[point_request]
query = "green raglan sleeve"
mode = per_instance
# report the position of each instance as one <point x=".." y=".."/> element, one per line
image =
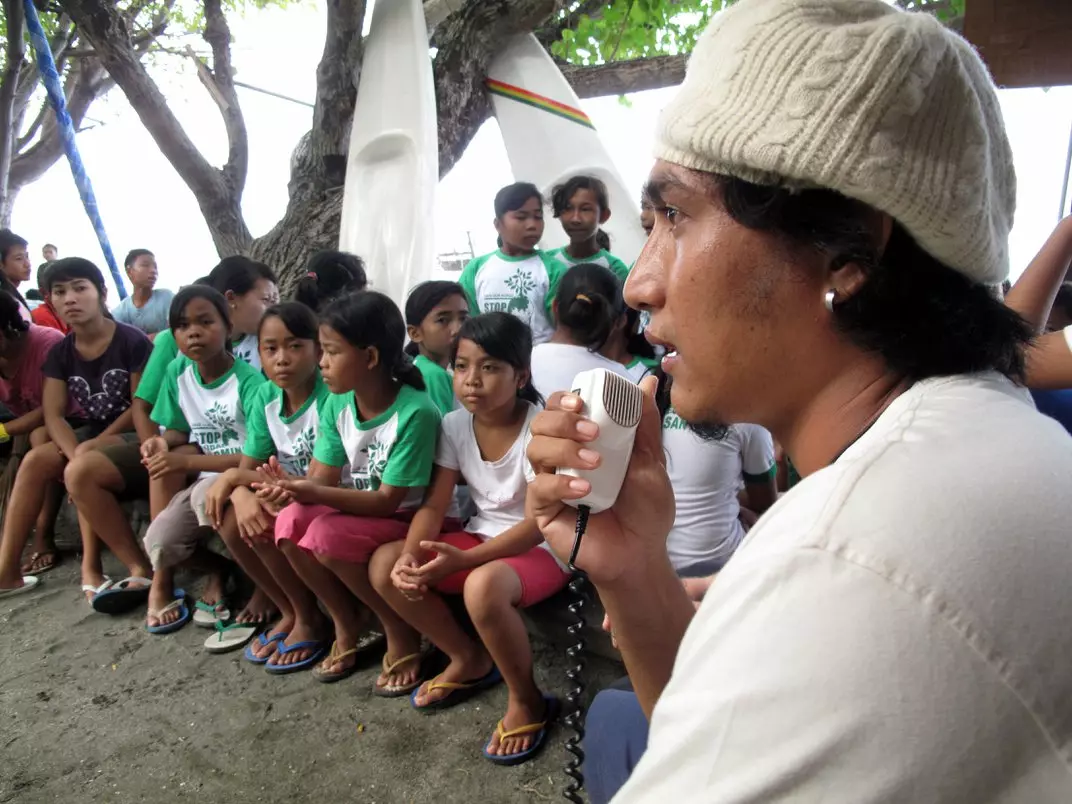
<point x="329" y="449"/>
<point x="167" y="412"/>
<point x="555" y="271"/>
<point x="437" y="383"/>
<point x="164" y="351"/>
<point x="409" y="464"/>
<point x="468" y="282"/>
<point x="249" y="383"/>
<point x="259" y="444"/>
<point x="620" y="268"/>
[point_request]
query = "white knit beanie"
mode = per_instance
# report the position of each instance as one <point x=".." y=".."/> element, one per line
<point x="881" y="105"/>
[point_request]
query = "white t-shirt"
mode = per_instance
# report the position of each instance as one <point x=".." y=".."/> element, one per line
<point x="896" y="628"/>
<point x="214" y="414"/>
<point x="554" y="365"/>
<point x="497" y="488"/>
<point x="246" y="348"/>
<point x="706" y="476"/>
<point x="497" y="282"/>
<point x="638" y="370"/>
<point x="397" y="447"/>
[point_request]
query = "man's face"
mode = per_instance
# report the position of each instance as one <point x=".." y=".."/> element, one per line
<point x="142" y="272"/>
<point x="49" y="253"/>
<point x="736" y="308"/>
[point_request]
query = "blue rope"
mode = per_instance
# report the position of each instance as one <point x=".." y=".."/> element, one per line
<point x="47" y="67"/>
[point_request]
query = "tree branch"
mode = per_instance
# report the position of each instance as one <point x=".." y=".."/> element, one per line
<point x="218" y="36"/>
<point x="468" y="40"/>
<point x="337" y="77"/>
<point x="623" y="77"/>
<point x="86" y="81"/>
<point x="103" y="26"/>
<point x="15" y="58"/>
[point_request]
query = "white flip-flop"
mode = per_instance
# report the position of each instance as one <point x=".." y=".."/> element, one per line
<point x="90" y="589"/>
<point x="232" y="637"/>
<point x="29" y="583"/>
<point x="209" y="615"/>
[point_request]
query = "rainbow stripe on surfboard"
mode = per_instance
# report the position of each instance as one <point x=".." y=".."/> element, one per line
<point x="542" y="102"/>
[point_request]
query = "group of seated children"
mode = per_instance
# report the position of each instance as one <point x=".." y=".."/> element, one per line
<point x="336" y="461"/>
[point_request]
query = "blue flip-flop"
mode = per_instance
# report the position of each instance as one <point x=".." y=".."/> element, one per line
<point x="458" y="692"/>
<point x="119" y="598"/>
<point x="539" y="729"/>
<point x="184" y="615"/>
<point x="263" y="641"/>
<point x="319" y="646"/>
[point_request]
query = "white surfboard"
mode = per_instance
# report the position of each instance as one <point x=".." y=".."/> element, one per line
<point x="393" y="166"/>
<point x="549" y="138"/>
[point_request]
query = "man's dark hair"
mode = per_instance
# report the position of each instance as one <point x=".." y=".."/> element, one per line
<point x="132" y="257"/>
<point x="924" y="318"/>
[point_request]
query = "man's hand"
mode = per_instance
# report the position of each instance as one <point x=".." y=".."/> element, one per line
<point x="636" y="526"/>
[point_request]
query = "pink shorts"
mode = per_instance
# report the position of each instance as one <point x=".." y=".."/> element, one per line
<point x="539" y="573"/>
<point x="345" y="537"/>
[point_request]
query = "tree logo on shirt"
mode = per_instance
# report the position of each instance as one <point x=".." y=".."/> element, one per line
<point x="377" y="462"/>
<point x="223" y="421"/>
<point x="522" y="284"/>
<point x="303" y="444"/>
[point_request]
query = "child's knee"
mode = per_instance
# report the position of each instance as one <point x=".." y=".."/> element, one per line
<point x="42" y="463"/>
<point x="80" y="472"/>
<point x="381" y="564"/>
<point x="489" y="588"/>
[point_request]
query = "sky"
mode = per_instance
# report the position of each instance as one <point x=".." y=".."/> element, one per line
<point x="145" y="204"/>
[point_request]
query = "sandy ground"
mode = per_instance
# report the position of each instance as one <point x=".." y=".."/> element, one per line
<point x="94" y="709"/>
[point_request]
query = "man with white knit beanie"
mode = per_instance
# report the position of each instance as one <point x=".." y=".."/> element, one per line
<point x="833" y="193"/>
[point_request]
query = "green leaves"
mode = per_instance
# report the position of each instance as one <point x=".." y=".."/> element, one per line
<point x="633" y="29"/>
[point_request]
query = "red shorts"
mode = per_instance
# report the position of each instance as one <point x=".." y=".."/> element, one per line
<point x="539" y="573"/>
<point x="345" y="537"/>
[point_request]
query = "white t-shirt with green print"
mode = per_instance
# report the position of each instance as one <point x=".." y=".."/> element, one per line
<point x="601" y="257"/>
<point x="269" y="431"/>
<point x="706" y="476"/>
<point x="247" y="349"/>
<point x="520" y="285"/>
<point x="397" y="447"/>
<point x="214" y="414"/>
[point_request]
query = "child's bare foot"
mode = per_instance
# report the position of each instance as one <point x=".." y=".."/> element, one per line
<point x="215" y="589"/>
<point x="463" y="670"/>
<point x="519" y="713"/>
<point x="260" y="609"/>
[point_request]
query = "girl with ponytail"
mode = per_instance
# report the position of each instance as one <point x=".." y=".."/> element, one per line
<point x="330" y="275"/>
<point x="380" y="423"/>
<point x="435" y="311"/>
<point x="590" y="318"/>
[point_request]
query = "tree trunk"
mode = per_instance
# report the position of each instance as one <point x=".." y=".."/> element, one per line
<point x="9" y="83"/>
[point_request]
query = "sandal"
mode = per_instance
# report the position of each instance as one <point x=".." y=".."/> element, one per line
<point x="178" y="604"/>
<point x="317" y="646"/>
<point x="122" y="597"/>
<point x="263" y="641"/>
<point x="389" y="667"/>
<point x="93" y="591"/>
<point x="40" y="563"/>
<point x="366" y="642"/>
<point x="209" y="615"/>
<point x="457" y="692"/>
<point x="231" y="637"/>
<point x="539" y="729"/>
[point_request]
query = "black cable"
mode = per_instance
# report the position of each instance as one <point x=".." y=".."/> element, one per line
<point x="575" y="671"/>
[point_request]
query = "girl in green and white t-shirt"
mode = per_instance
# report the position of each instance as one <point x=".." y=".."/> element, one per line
<point x="581" y="205"/>
<point x="282" y="423"/>
<point x="517" y="278"/>
<point x="380" y="421"/>
<point x="203" y="400"/>
<point x="435" y="311"/>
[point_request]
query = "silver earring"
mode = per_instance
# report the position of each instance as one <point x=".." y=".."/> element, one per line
<point x="828" y="300"/>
